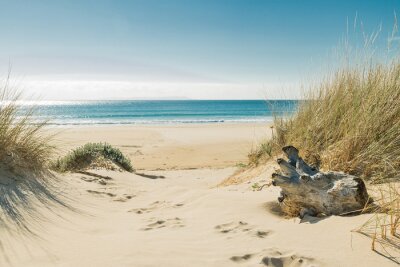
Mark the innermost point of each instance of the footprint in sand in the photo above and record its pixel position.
(244, 227)
(156, 205)
(123, 198)
(243, 258)
(101, 193)
(276, 258)
(233, 227)
(94, 179)
(157, 223)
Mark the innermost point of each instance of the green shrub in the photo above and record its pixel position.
(85, 156)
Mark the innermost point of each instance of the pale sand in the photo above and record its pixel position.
(178, 217)
(173, 147)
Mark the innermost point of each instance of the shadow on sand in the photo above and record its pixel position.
(150, 176)
(22, 198)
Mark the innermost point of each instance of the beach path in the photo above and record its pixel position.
(177, 217)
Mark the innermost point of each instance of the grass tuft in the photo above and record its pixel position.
(24, 144)
(350, 123)
(259, 154)
(92, 154)
(383, 226)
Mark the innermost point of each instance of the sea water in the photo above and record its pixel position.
(161, 112)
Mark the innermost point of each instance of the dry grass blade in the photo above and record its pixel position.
(25, 183)
(383, 226)
(24, 144)
(351, 122)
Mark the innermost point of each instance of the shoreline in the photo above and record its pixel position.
(175, 124)
(133, 112)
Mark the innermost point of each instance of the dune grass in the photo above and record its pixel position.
(383, 226)
(24, 144)
(261, 153)
(92, 154)
(350, 123)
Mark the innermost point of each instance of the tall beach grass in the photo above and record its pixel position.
(350, 118)
(350, 121)
(24, 144)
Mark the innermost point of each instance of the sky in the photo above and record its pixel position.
(176, 49)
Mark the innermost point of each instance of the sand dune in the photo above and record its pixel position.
(176, 218)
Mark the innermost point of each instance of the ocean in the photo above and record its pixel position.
(162, 112)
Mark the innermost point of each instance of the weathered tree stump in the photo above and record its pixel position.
(306, 190)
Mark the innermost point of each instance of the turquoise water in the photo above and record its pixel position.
(163, 112)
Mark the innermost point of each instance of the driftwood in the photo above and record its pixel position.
(306, 190)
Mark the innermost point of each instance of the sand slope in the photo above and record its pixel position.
(178, 218)
(169, 217)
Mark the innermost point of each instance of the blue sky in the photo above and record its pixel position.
(176, 48)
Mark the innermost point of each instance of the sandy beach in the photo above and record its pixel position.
(171, 213)
(199, 133)
(163, 147)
